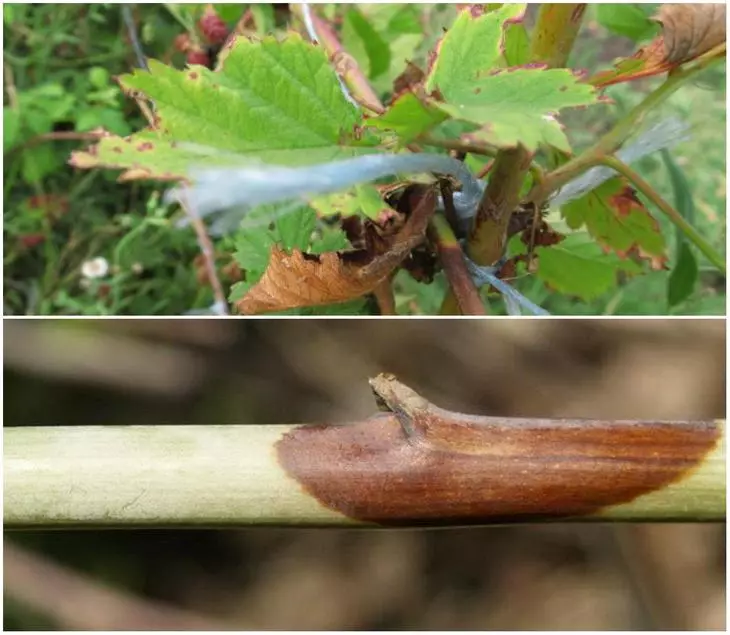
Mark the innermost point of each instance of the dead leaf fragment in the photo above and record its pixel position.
(688, 32)
(691, 29)
(298, 279)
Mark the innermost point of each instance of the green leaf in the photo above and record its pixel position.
(254, 241)
(360, 199)
(683, 200)
(470, 47)
(295, 230)
(685, 272)
(269, 95)
(330, 239)
(629, 20)
(38, 162)
(37, 122)
(99, 76)
(516, 44)
(515, 106)
(408, 117)
(230, 12)
(110, 119)
(684, 276)
(398, 19)
(279, 102)
(618, 220)
(365, 44)
(579, 267)
(11, 127)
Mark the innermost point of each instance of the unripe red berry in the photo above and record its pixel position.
(213, 28)
(31, 240)
(196, 56)
(182, 42)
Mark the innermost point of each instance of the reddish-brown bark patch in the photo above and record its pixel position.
(460, 469)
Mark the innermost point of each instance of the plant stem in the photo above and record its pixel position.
(555, 32)
(384, 297)
(452, 258)
(415, 465)
(679, 221)
(553, 38)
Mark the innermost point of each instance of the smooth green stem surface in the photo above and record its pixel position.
(679, 221)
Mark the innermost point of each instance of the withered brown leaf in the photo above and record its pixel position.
(691, 29)
(298, 279)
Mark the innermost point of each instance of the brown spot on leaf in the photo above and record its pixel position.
(134, 174)
(147, 145)
(626, 201)
(411, 78)
(423, 465)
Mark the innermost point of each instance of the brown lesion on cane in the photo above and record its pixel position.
(419, 464)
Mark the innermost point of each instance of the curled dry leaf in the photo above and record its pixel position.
(299, 279)
(688, 31)
(691, 29)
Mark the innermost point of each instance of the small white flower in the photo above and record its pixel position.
(95, 268)
(137, 268)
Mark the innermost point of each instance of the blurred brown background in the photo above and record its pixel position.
(212, 371)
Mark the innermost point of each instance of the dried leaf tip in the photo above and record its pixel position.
(691, 30)
(396, 397)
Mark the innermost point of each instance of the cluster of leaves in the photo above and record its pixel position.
(278, 100)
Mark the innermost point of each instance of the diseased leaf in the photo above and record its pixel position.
(471, 47)
(146, 156)
(580, 268)
(616, 218)
(276, 101)
(466, 82)
(516, 105)
(691, 29)
(297, 279)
